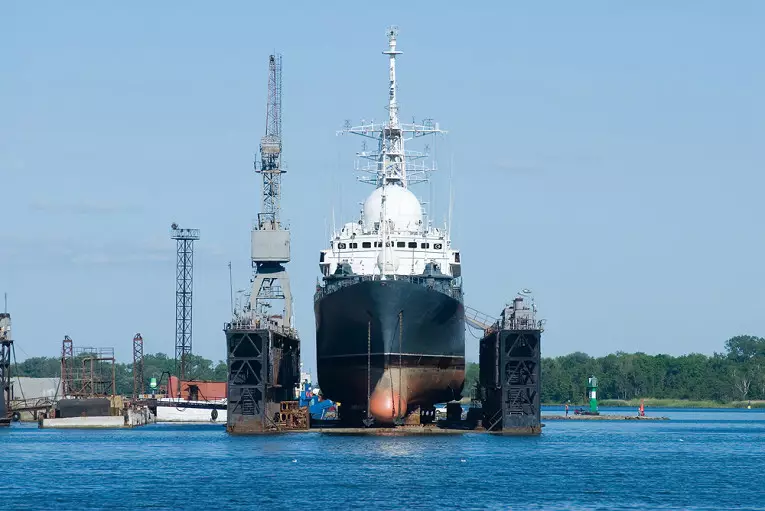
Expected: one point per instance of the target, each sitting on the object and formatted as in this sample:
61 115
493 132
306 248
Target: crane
270 239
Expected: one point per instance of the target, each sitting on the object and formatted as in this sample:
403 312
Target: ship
390 319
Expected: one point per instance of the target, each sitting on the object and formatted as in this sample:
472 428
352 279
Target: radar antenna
390 163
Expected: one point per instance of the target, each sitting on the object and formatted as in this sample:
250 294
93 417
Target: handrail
250 325
443 283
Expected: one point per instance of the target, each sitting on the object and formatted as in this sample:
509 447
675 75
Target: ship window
378 244
412 244
341 246
387 243
456 257
400 244
438 246
354 245
321 257
366 244
425 245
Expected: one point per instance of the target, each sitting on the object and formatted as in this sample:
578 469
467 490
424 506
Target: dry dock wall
509 379
263 371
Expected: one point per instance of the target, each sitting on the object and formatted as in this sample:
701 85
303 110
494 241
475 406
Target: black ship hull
396 345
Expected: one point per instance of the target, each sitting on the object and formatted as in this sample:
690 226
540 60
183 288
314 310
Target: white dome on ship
401 205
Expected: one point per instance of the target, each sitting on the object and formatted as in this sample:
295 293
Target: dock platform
422 430
131 419
607 417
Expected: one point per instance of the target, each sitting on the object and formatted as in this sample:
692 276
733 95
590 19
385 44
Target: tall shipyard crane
270 239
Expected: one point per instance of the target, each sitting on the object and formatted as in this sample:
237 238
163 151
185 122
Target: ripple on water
691 462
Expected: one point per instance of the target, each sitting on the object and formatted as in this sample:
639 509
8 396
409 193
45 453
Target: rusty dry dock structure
263 372
510 371
262 347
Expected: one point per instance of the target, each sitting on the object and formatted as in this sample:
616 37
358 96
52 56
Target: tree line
736 374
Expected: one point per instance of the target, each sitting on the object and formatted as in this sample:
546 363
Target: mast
391 143
392 52
390 163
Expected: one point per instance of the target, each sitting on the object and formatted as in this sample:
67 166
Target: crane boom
271 149
271 239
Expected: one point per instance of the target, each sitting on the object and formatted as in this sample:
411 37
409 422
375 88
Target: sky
606 155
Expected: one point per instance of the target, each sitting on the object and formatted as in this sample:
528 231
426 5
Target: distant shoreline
667 403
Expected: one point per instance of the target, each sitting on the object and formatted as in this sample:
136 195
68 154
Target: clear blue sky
607 155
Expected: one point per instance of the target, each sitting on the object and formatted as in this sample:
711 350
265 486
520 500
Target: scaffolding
87 372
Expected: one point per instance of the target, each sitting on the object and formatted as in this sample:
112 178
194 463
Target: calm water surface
707 459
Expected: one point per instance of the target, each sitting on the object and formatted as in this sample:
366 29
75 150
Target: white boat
181 410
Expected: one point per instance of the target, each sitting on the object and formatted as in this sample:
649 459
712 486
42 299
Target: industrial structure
138 381
183 293
87 372
271 240
510 370
6 344
263 348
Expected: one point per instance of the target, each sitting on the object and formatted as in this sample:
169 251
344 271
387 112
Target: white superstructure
391 237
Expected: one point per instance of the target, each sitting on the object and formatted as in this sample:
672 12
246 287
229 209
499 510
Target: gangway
479 320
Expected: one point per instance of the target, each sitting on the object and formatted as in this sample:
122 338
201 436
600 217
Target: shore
668 403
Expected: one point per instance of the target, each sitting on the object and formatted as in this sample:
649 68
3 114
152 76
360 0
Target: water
708 459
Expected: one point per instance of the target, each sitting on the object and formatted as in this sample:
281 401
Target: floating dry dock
95 414
422 430
132 419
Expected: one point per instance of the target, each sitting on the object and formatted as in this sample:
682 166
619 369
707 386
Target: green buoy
153 383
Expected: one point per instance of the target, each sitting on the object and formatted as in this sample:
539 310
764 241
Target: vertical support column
5 378
183 304
247 357
67 367
263 373
183 287
520 365
510 371
138 381
6 344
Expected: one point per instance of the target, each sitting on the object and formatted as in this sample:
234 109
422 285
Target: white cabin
403 247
